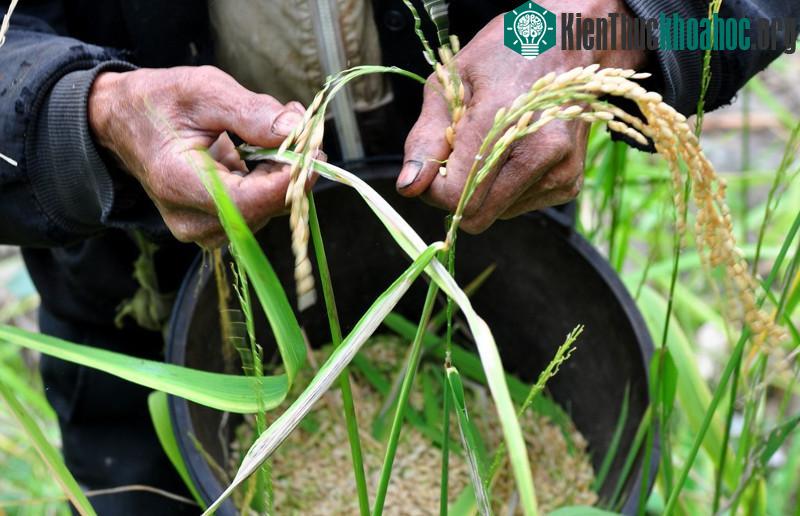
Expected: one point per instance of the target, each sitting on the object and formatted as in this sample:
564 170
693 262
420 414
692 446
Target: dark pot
548 280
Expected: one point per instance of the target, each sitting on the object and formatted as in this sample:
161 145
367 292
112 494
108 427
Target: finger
566 183
534 163
193 226
542 200
426 147
226 105
224 151
259 195
470 133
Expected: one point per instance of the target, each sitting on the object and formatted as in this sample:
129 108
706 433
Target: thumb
426 146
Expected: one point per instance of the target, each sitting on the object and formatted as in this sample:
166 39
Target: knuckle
560 178
576 187
476 225
210 72
181 229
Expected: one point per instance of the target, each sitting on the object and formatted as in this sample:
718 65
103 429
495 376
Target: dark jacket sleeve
678 74
62 189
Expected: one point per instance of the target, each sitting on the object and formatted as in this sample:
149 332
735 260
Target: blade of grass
470 441
562 354
159 414
243 338
445 472
448 350
344 379
630 458
402 401
230 393
613 447
49 455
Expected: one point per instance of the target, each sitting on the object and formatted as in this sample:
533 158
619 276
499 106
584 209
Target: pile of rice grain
312 470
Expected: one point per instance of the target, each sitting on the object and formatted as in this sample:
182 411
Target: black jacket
68 205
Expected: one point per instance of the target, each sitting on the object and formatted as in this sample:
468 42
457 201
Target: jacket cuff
71 181
678 74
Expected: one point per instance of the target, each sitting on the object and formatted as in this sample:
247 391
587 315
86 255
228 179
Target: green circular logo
530 30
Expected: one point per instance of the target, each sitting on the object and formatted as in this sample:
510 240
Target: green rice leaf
231 393
159 414
413 245
269 441
471 441
268 288
50 456
669 382
777 437
613 447
692 391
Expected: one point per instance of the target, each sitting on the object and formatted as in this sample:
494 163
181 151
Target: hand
158 122
543 169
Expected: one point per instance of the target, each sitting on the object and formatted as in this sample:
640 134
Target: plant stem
726 436
660 410
445 477
630 459
726 374
443 497
344 378
405 390
744 193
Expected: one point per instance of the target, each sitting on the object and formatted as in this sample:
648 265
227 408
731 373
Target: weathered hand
543 169
157 123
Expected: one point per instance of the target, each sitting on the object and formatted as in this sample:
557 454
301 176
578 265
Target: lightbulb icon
530 27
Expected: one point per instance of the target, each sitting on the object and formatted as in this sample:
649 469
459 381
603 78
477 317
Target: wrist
102 106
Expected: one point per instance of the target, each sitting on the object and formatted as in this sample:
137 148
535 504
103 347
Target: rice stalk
251 353
673 138
344 380
306 139
444 67
405 390
562 354
713 10
726 375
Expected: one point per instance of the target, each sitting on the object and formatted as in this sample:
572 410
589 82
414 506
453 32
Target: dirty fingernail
285 123
409 173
